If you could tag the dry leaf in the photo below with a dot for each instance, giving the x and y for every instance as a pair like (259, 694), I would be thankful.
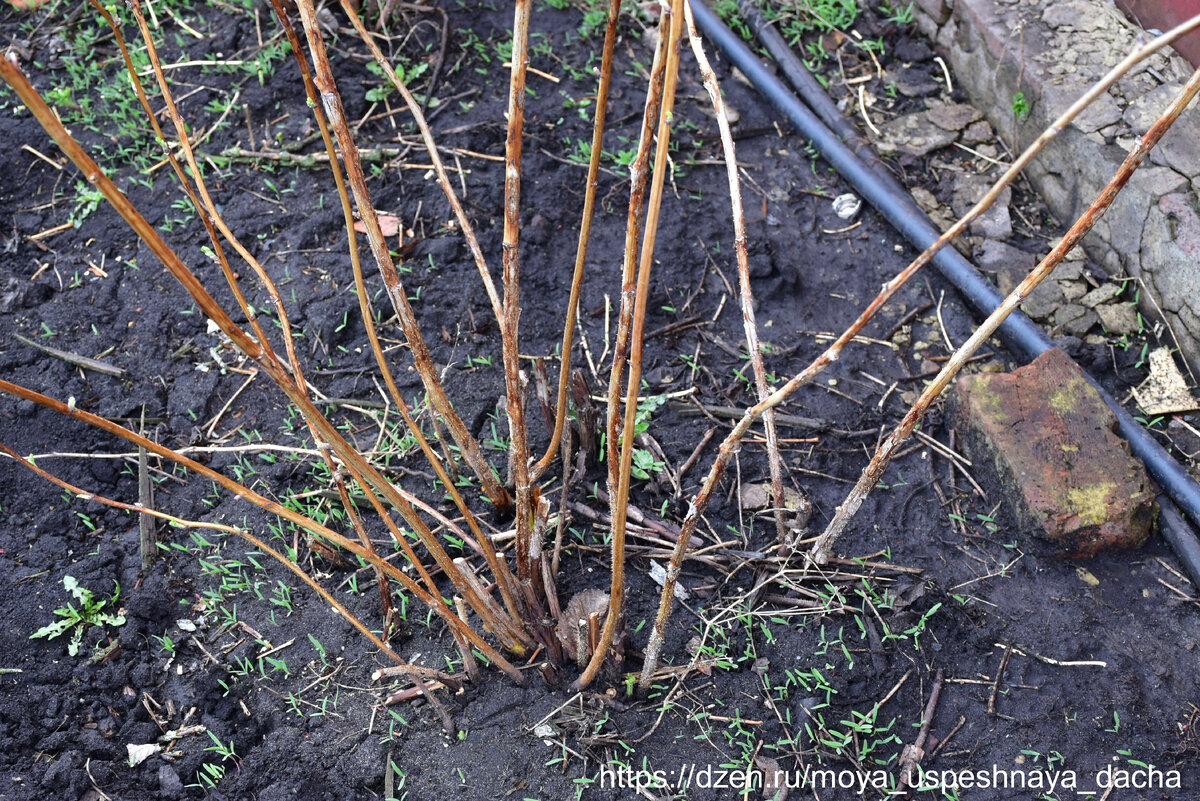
(658, 574)
(756, 497)
(389, 223)
(579, 608)
(140, 753)
(1164, 391)
(774, 779)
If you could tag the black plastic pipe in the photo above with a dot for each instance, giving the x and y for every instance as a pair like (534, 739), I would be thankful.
(891, 200)
(1180, 537)
(809, 89)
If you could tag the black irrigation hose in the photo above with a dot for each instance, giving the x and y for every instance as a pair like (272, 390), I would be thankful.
(810, 91)
(896, 205)
(1178, 534)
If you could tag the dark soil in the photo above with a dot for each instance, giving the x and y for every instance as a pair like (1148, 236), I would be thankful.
(265, 669)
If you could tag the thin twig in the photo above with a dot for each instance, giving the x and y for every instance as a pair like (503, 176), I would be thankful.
(585, 228)
(746, 294)
(74, 358)
(331, 100)
(911, 755)
(991, 707)
(660, 98)
(511, 305)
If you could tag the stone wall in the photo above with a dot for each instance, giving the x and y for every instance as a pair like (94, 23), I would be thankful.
(1052, 52)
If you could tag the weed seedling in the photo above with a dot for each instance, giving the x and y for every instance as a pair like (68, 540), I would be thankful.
(91, 613)
(899, 15)
(1020, 106)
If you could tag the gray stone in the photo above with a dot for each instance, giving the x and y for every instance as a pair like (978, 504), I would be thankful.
(913, 135)
(970, 189)
(1067, 312)
(1081, 325)
(1100, 114)
(1183, 212)
(1171, 242)
(1077, 15)
(1070, 268)
(1144, 109)
(996, 222)
(1118, 318)
(1073, 290)
(705, 104)
(1073, 319)
(1101, 294)
(939, 215)
(937, 9)
(1157, 181)
(1054, 189)
(954, 116)
(1011, 266)
(912, 82)
(1178, 146)
(977, 133)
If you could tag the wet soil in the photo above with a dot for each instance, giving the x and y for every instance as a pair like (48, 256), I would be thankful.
(1052, 670)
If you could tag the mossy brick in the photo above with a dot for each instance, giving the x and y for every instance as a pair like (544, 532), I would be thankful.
(1051, 443)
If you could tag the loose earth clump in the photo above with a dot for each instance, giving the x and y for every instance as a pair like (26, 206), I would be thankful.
(243, 682)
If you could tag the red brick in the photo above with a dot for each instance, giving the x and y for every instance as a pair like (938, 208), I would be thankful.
(1051, 442)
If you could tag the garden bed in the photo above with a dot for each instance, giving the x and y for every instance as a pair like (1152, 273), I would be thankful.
(1051, 669)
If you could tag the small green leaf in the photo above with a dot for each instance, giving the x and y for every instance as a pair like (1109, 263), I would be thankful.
(55, 629)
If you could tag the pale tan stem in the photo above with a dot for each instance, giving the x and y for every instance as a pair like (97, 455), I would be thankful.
(639, 174)
(749, 324)
(427, 137)
(620, 503)
(510, 322)
(483, 542)
(506, 628)
(585, 229)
